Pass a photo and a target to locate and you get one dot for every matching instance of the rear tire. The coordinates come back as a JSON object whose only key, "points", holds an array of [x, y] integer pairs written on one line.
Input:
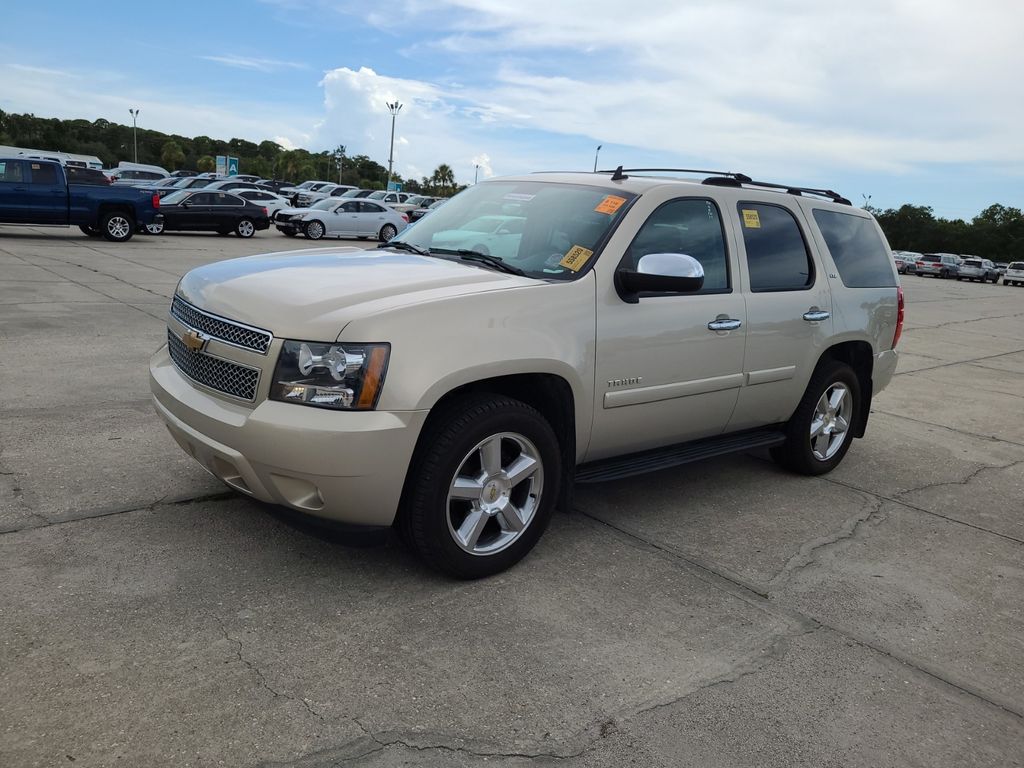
{"points": [[245, 228], [820, 431], [482, 486], [387, 232], [117, 227]]}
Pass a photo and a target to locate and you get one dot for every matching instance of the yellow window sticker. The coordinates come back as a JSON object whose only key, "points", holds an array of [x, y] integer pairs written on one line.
{"points": [[576, 258], [751, 220], [610, 204]]}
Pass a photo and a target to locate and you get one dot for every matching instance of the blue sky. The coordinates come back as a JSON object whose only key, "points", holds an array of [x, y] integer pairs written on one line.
{"points": [[902, 100]]}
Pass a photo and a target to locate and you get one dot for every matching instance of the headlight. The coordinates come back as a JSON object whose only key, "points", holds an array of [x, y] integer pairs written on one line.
{"points": [[341, 376]]}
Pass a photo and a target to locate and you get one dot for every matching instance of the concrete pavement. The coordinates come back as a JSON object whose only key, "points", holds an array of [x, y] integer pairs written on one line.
{"points": [[721, 614]]}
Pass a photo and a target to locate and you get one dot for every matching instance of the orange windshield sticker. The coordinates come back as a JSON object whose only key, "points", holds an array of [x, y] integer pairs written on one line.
{"points": [[610, 204], [576, 258], [751, 220]]}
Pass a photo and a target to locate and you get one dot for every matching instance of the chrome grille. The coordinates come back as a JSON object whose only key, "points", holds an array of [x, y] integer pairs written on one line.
{"points": [[221, 328], [213, 372]]}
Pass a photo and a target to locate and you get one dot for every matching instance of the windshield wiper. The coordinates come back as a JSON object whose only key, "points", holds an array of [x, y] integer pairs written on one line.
{"points": [[404, 246], [483, 258]]}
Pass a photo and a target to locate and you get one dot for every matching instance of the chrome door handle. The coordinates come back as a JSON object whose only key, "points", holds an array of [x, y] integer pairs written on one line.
{"points": [[815, 315], [724, 325]]}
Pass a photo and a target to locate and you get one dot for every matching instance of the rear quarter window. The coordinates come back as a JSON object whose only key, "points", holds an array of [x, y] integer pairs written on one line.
{"points": [[857, 249]]}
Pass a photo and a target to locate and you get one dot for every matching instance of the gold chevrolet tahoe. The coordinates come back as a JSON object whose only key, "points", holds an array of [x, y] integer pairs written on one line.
{"points": [[535, 332]]}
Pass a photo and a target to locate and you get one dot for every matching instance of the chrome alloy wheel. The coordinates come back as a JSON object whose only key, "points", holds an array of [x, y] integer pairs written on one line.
{"points": [[495, 493], [314, 230], [831, 421], [119, 227], [246, 228]]}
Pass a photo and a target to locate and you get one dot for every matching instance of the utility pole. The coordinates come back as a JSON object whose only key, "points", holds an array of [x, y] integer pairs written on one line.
{"points": [[476, 174], [135, 139], [595, 157], [394, 109]]}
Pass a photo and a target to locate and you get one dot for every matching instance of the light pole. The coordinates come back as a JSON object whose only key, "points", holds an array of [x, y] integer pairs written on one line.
{"points": [[394, 109], [476, 173], [135, 139], [595, 157]]}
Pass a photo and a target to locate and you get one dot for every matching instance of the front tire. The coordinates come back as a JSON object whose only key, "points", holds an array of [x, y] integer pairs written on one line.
{"points": [[245, 228], [482, 486], [117, 227], [820, 431], [387, 232], [314, 230]]}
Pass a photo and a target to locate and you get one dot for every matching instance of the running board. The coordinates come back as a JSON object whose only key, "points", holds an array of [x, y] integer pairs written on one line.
{"points": [[619, 467]]}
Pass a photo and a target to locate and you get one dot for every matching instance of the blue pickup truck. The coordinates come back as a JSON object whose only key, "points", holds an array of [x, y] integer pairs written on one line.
{"points": [[37, 192]]}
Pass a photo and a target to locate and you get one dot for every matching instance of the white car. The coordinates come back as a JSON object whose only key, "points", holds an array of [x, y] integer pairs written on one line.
{"points": [[273, 203], [305, 186], [306, 199], [1014, 274], [490, 235], [342, 218]]}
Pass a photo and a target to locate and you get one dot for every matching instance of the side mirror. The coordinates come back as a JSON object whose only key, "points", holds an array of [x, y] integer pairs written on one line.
{"points": [[186, 204], [660, 273]]}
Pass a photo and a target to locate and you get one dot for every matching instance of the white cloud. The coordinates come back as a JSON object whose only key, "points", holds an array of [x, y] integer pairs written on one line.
{"points": [[254, 64], [876, 85]]}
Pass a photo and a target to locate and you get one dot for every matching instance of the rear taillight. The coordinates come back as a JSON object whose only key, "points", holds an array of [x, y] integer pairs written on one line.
{"points": [[405, 218], [899, 317], [156, 200], [266, 212]]}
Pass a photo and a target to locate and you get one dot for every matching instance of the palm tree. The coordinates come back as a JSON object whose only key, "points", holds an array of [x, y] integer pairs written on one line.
{"points": [[444, 179]]}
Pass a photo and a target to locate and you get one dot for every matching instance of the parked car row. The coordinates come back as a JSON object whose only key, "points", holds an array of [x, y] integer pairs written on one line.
{"points": [[949, 265]]}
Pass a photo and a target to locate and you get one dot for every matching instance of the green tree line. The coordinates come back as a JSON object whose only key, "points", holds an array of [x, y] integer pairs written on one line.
{"points": [[113, 142], [996, 233]]}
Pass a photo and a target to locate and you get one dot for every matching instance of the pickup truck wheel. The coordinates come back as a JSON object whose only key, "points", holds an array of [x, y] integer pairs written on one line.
{"points": [[245, 228], [819, 433], [314, 230], [482, 486], [90, 231], [387, 232], [117, 227]]}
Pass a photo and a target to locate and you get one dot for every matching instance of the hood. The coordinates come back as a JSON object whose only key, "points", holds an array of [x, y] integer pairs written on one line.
{"points": [[313, 294]]}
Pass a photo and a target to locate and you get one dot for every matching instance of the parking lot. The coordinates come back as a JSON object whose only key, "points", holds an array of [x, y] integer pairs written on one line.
{"points": [[722, 614]]}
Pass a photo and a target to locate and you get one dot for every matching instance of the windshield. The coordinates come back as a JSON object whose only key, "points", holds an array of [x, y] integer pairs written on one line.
{"points": [[972, 263], [1016, 265], [549, 230], [305, 185], [175, 197], [324, 205]]}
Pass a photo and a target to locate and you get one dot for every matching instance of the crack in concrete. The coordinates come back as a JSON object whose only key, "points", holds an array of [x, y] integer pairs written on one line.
{"points": [[810, 550], [251, 665], [954, 430], [971, 476], [74, 517], [958, 362]]}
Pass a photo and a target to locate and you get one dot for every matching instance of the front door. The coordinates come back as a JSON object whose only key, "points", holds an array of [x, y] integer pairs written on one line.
{"points": [[13, 190], [669, 367]]}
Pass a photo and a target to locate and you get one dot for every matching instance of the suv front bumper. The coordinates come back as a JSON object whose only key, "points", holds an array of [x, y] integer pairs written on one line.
{"points": [[348, 466]]}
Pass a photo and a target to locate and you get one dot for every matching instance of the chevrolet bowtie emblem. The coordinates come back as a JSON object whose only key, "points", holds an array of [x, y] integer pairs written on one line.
{"points": [[195, 340]]}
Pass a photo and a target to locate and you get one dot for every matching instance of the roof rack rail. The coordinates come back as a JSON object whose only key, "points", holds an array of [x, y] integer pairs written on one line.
{"points": [[835, 197], [742, 177], [733, 179]]}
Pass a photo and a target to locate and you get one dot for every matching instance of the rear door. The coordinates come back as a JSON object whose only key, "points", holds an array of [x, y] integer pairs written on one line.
{"points": [[13, 190], [372, 217], [47, 196], [789, 310]]}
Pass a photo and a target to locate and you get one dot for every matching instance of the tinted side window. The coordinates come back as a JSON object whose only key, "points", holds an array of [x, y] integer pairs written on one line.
{"points": [[203, 198], [352, 207], [372, 208], [692, 227], [777, 256], [44, 174], [857, 249], [12, 171]]}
